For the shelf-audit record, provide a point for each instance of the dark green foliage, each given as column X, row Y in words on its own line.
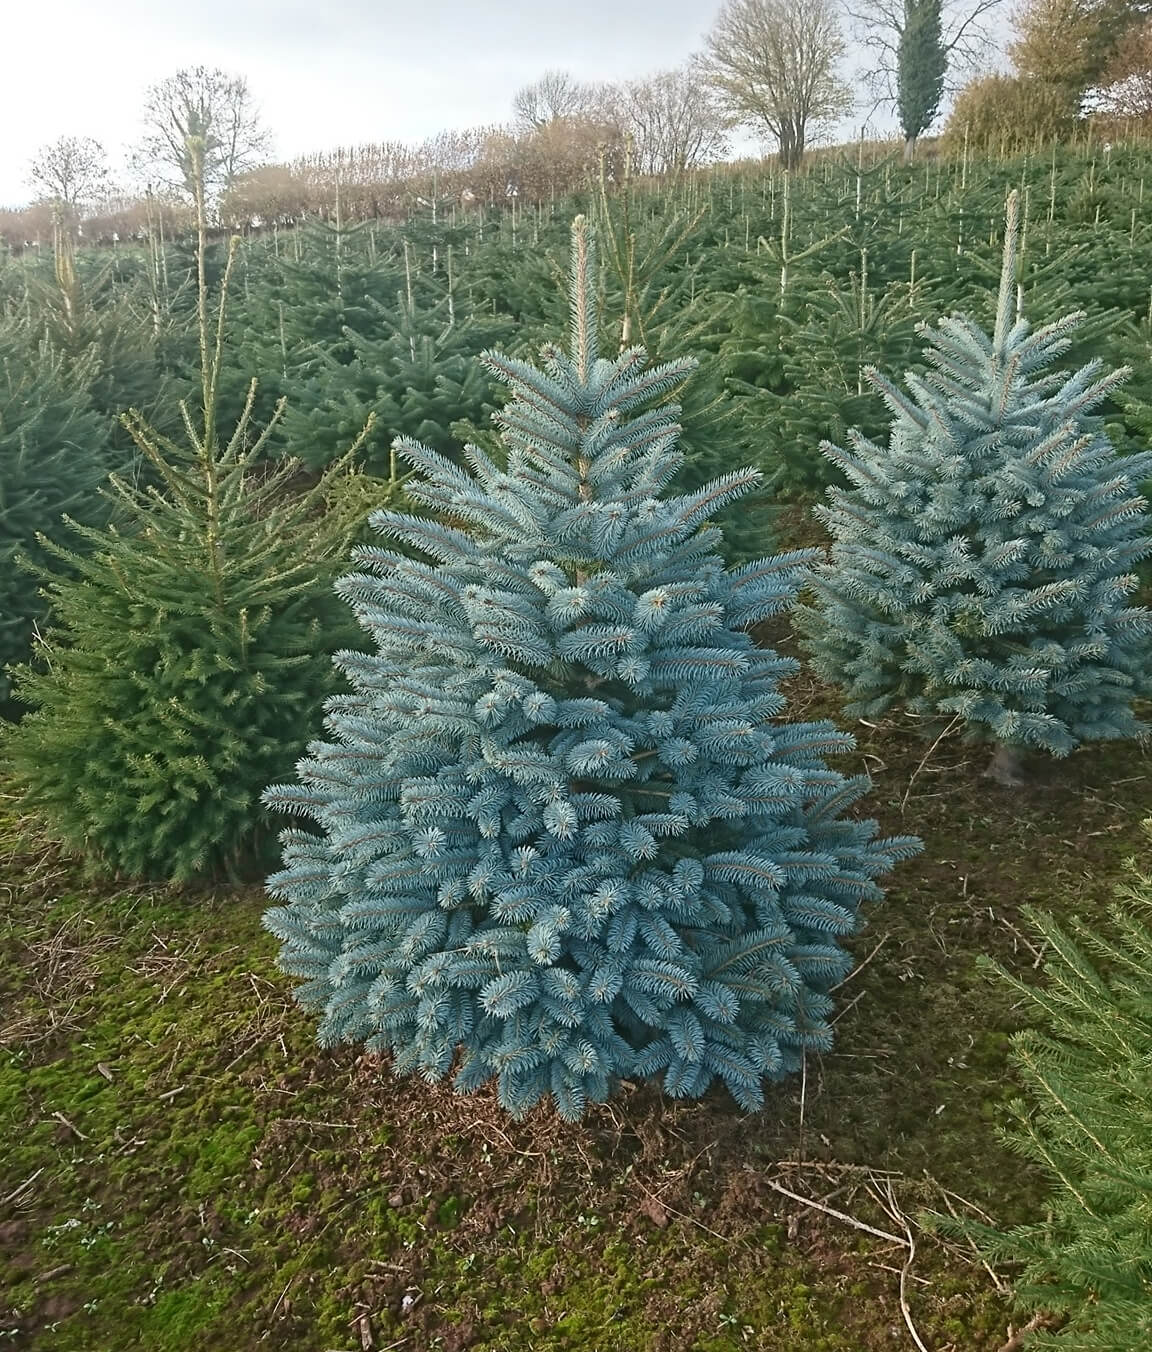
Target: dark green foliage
column 921, row 63
column 1086, row 1124
column 346, row 327
column 188, row 651
column 190, row 645
column 828, row 337
column 411, row 371
column 103, row 314
column 54, row 452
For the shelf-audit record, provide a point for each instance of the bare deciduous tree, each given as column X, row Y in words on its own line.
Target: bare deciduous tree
column 72, row 171
column 879, row 27
column 674, row 121
column 553, row 96
column 774, row 65
column 212, row 109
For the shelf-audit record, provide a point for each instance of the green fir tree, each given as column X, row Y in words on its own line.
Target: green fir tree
column 55, row 451
column 189, row 650
column 1085, row 1123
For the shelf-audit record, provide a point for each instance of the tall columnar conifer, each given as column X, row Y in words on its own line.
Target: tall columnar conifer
column 565, row 836
column 982, row 563
column 921, row 64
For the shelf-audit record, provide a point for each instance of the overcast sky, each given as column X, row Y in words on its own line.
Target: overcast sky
column 324, row 73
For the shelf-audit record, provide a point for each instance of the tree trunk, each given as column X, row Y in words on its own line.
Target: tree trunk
column 909, row 149
column 1006, row 767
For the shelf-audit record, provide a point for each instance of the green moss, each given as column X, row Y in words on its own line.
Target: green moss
column 204, row 1179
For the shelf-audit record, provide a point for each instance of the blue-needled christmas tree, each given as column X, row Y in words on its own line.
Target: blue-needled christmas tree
column 564, row 836
column 984, row 560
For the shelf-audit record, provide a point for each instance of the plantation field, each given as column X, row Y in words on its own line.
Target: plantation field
column 181, row 1166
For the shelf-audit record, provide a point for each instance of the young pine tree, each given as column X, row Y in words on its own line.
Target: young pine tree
column 190, row 648
column 562, row 828
column 983, row 560
column 1086, row 1123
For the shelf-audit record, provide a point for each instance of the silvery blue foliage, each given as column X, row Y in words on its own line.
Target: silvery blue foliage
column 984, row 559
column 564, row 837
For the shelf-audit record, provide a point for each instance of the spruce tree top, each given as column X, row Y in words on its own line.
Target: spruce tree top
column 563, row 831
column 983, row 560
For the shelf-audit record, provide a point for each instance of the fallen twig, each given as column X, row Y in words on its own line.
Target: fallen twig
column 860, row 966
column 905, row 1309
column 1016, row 1338
column 53, row 1273
column 12, row 1196
column 72, row 1127
column 924, row 762
column 838, row 1215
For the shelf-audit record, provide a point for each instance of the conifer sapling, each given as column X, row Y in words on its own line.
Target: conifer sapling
column 1085, row 1124
column 983, row 561
column 190, row 648
column 564, row 835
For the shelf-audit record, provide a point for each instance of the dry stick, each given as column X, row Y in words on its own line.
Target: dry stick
column 887, row 1267
column 1016, row 1340
column 947, row 1192
column 524, row 1154
column 844, row 1009
column 52, row 1273
column 1001, row 1288
column 803, row 1099
column 72, row 1127
column 838, row 1215
column 281, row 1298
column 927, row 758
column 898, row 1216
column 364, row 1324
column 1037, row 953
column 860, row 967
column 12, row 1196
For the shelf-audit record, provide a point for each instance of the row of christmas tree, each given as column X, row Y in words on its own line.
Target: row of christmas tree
column 784, row 289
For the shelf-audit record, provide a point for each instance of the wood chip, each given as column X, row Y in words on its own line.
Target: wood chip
column 654, row 1209
column 367, row 1342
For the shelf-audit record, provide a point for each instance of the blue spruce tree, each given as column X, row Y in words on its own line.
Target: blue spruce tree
column 983, row 560
column 564, row 838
